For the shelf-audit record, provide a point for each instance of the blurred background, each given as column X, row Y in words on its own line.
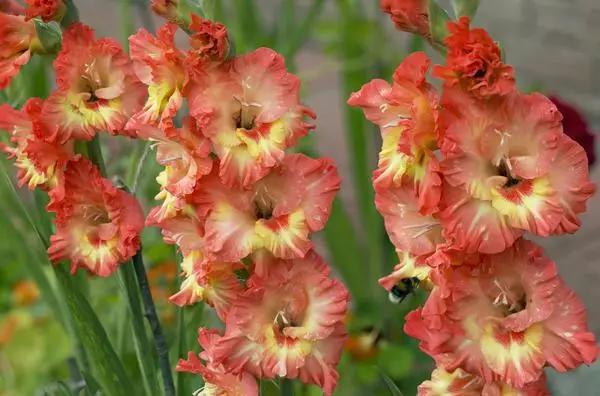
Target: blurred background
column 335, row 46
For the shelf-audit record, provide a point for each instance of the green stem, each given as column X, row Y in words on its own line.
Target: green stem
column 150, row 312
column 142, row 345
column 126, row 22
column 287, row 387
column 360, row 146
column 94, row 152
column 182, row 386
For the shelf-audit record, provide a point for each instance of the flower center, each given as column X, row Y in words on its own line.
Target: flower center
column 509, row 300
column 244, row 118
column 504, row 170
column 95, row 214
column 263, row 203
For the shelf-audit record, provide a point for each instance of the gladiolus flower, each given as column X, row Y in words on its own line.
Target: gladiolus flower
column 576, row 127
column 288, row 324
column 251, row 112
column 39, row 160
column 461, row 383
column 474, row 62
column 506, row 319
column 184, row 152
column 408, row 15
column 209, row 40
column 97, row 225
column 11, row 7
column 212, row 282
column 47, row 10
column 509, row 170
column 408, row 229
column 207, row 280
column 409, row 267
column 277, row 214
column 158, row 63
column 406, row 112
column 96, row 86
column 217, row 380
column 18, row 41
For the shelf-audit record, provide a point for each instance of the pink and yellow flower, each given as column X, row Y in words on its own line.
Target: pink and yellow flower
column 251, row 112
column 158, row 63
column 406, row 112
column 462, row 383
column 212, row 282
column 217, row 380
column 184, row 152
column 505, row 173
column 96, row 87
column 97, row 225
column 277, row 214
column 18, row 41
column 39, row 160
column 288, row 324
column 208, row 280
column 409, row 267
column 408, row 229
column 506, row 319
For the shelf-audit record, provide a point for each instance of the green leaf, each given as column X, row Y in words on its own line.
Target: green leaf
column 438, row 19
column 108, row 367
column 361, row 151
column 394, row 390
column 92, row 385
column 465, row 7
column 49, row 34
column 140, row 337
column 71, row 15
column 182, row 383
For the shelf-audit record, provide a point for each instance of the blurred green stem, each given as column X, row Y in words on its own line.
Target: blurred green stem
column 287, row 387
column 302, row 32
column 360, row 147
column 125, row 11
column 142, row 345
column 94, row 152
column 160, row 341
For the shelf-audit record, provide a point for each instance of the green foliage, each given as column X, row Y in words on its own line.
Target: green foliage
column 438, row 19
column 465, row 7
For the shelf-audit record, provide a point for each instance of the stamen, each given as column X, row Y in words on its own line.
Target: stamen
column 426, row 227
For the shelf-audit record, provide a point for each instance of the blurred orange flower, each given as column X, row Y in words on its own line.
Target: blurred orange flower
column 25, row 293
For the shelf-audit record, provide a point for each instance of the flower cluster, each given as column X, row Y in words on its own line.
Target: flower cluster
column 240, row 208
column 97, row 225
column 462, row 175
column 238, row 205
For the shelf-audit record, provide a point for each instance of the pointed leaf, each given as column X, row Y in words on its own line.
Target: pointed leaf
column 108, row 367
column 438, row 19
column 465, row 7
column 394, row 390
